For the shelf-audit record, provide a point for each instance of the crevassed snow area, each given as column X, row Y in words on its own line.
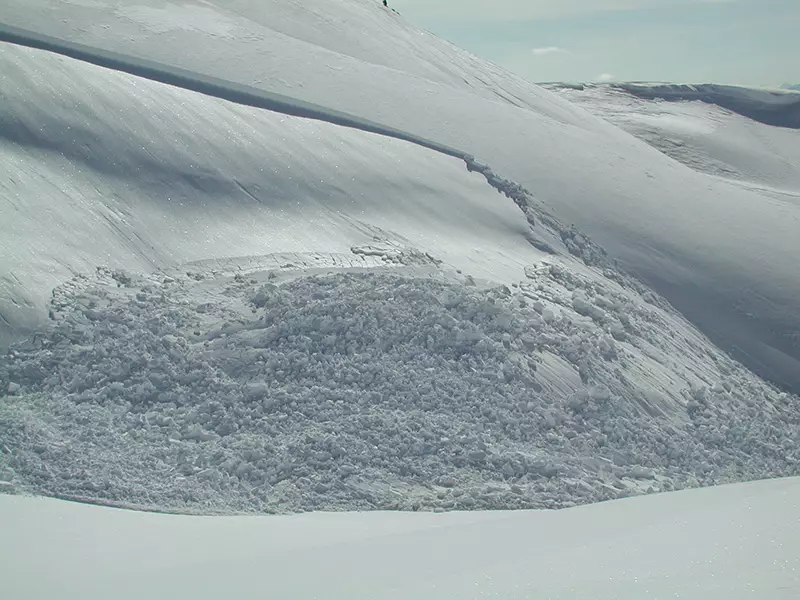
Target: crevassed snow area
column 703, row 136
column 397, row 388
column 722, row 254
column 726, row 543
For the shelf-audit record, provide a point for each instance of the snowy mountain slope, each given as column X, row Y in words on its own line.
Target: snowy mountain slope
column 771, row 107
column 712, row 249
column 569, row 385
column 104, row 168
column 731, row 543
column 703, row 136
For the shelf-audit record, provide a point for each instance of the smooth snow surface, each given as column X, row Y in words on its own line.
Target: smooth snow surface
column 722, row 254
column 727, row 543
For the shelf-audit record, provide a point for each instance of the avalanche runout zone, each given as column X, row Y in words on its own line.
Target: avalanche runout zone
column 370, row 389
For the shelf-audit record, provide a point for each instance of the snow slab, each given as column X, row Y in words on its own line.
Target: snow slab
column 722, row 254
column 726, row 543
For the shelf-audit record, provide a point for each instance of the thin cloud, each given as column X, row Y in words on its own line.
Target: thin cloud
column 605, row 77
column 530, row 10
column 548, row 50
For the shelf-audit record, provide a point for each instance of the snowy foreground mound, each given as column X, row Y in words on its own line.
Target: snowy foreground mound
column 391, row 389
column 726, row 543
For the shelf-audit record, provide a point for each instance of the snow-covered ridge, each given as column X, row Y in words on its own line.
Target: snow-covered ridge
column 778, row 108
column 258, row 98
column 703, row 136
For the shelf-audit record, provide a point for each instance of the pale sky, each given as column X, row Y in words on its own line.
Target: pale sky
column 748, row 42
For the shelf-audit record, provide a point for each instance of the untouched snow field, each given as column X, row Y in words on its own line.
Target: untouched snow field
column 721, row 254
column 726, row 543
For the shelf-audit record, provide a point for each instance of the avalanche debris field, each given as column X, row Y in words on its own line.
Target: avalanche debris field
column 388, row 388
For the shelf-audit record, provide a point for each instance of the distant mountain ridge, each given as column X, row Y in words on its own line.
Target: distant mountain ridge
column 771, row 107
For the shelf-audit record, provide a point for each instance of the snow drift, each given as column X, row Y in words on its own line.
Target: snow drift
column 719, row 253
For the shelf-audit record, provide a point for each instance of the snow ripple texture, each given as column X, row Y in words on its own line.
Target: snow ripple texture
column 370, row 389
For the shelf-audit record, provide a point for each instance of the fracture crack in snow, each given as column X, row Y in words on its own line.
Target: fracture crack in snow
column 254, row 97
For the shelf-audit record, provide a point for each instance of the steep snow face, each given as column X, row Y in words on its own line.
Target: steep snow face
column 732, row 543
column 104, row 168
column 720, row 253
column 702, row 135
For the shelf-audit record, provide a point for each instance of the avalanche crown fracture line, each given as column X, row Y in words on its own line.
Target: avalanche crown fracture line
column 212, row 86
column 250, row 96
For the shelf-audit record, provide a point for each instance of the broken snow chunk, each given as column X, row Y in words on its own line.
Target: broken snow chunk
column 639, row 472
